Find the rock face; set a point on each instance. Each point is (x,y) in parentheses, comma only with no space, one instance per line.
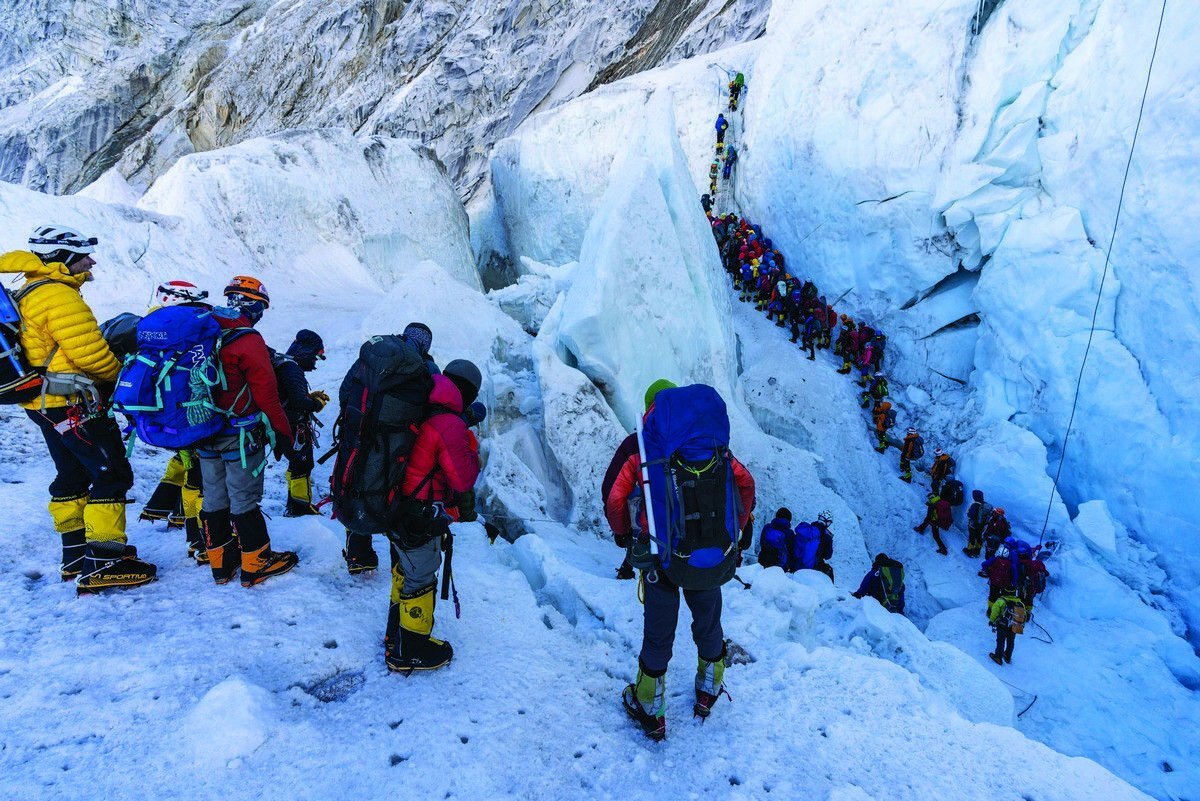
(131,84)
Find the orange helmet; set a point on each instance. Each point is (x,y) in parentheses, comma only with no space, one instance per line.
(885,405)
(248,287)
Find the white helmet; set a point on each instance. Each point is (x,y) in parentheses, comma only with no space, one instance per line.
(825,517)
(46,240)
(173,293)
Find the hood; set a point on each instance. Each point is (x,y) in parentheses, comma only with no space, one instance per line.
(445,394)
(22,261)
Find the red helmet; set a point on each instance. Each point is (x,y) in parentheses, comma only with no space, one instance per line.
(999,510)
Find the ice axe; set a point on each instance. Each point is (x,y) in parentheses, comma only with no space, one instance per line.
(739,581)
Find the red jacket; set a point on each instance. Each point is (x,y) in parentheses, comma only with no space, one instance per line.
(1000,573)
(942,514)
(249,378)
(443,462)
(616,505)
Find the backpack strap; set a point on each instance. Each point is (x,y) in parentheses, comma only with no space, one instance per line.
(17,297)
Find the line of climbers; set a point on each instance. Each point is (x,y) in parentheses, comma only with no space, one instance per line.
(726,154)
(199,381)
(758,269)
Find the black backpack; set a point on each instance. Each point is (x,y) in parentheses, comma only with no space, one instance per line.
(121,334)
(952,492)
(918,449)
(383,400)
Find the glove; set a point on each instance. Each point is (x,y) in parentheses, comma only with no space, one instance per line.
(465,503)
(492,532)
(624,540)
(321,399)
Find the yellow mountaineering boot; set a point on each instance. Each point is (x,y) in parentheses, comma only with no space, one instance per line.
(418,650)
(108,562)
(646,702)
(67,513)
(710,683)
(299,502)
(192,528)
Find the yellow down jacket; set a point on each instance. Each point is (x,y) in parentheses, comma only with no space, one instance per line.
(56,314)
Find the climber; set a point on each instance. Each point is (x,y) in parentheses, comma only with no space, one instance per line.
(877,390)
(437,489)
(885,583)
(809,341)
(1007,615)
(731,157)
(775,541)
(61,340)
(627,448)
(880,343)
(359,552)
(825,548)
(232,460)
(747,272)
(941,469)
(1000,573)
(775,311)
(938,516)
(913,448)
(831,319)
(1033,578)
(681,423)
(885,418)
(736,87)
(721,127)
(865,360)
(176,499)
(301,406)
(706,203)
(996,532)
(978,514)
(845,346)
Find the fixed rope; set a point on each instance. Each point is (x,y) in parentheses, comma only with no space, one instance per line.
(1103,276)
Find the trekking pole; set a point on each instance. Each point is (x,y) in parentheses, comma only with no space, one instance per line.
(738,579)
(448,587)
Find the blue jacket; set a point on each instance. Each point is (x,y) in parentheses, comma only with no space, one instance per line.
(873,585)
(721,123)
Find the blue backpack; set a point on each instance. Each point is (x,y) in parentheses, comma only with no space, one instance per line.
(773,546)
(165,388)
(694,504)
(805,545)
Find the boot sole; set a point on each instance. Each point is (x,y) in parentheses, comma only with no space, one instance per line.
(408,671)
(93,589)
(361,569)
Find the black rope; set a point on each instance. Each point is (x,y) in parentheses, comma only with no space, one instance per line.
(1104,275)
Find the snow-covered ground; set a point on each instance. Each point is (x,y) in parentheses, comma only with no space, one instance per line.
(608,280)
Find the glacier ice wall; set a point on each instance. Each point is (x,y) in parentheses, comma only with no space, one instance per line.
(973,182)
